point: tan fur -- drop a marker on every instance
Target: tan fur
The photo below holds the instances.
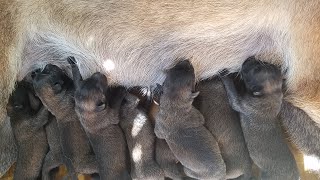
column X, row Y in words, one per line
column 143, row 37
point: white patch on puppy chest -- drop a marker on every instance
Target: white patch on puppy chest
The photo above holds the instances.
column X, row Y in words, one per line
column 138, row 123
column 108, row 65
column 137, row 153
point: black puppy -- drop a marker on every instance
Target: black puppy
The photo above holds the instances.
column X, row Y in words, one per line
column 258, row 110
column 98, row 108
column 182, row 126
column 28, row 117
column 224, row 123
column 56, row 91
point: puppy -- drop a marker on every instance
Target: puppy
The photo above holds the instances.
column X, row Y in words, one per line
column 54, row 157
column 224, row 123
column 258, row 110
column 140, row 139
column 170, row 165
column 56, row 91
column 98, row 108
column 168, row 162
column 302, row 131
column 27, row 120
column 8, row 148
column 181, row 125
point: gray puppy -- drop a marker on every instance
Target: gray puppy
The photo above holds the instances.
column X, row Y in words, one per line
column 54, row 157
column 168, row 162
column 181, row 125
column 98, row 108
column 224, row 123
column 27, row 120
column 302, row 130
column 56, row 91
column 258, row 109
column 140, row 139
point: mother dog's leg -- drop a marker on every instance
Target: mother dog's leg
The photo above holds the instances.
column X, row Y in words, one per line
column 303, row 77
column 7, row 80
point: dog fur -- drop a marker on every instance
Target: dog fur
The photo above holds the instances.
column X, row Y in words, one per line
column 56, row 92
column 132, row 42
column 182, row 126
column 28, row 118
column 259, row 108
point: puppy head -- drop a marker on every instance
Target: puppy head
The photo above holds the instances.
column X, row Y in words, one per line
column 22, row 103
column 180, row 82
column 261, row 78
column 91, row 95
column 50, row 82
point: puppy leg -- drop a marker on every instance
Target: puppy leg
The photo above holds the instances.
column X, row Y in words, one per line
column 301, row 129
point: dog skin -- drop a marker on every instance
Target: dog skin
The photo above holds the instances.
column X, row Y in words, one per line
column 98, row 108
column 165, row 158
column 132, row 42
column 224, row 124
column 181, row 125
column 258, row 110
column 140, row 139
column 27, row 120
column 56, row 91
column 54, row 157
column 302, row 131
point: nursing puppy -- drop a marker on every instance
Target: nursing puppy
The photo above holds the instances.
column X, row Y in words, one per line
column 133, row 42
column 27, row 120
column 224, row 123
column 98, row 108
column 302, row 131
column 182, row 126
column 168, row 162
column 8, row 148
column 170, row 165
column 258, row 109
column 140, row 139
column 56, row 91
column 54, row 157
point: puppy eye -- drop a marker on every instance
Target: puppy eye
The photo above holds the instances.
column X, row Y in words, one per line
column 100, row 106
column 57, row 87
column 257, row 93
column 18, row 106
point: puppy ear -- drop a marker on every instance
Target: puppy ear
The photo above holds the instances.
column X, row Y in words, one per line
column 194, row 95
column 77, row 78
column 35, row 102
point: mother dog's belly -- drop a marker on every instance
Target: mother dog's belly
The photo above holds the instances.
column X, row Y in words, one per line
column 141, row 59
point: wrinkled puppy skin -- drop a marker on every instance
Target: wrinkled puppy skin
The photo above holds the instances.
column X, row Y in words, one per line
column 181, row 125
column 140, row 138
column 28, row 117
column 302, row 131
column 224, row 123
column 56, row 91
column 54, row 157
column 98, row 108
column 258, row 109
